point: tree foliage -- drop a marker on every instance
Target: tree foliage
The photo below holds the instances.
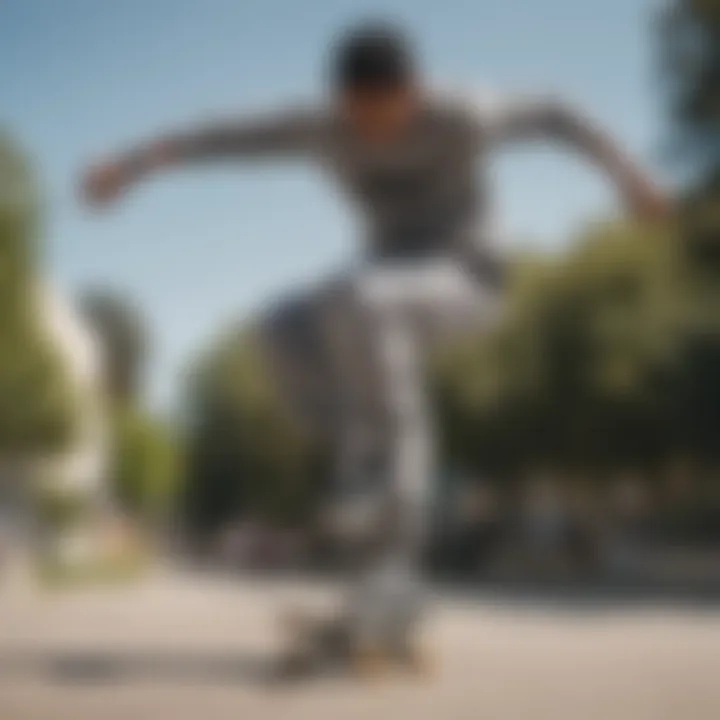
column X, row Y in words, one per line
column 690, row 50
column 146, row 468
column 246, row 457
column 691, row 71
column 124, row 338
column 602, row 361
column 35, row 407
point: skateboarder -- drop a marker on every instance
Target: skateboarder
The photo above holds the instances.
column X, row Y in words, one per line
column 414, row 164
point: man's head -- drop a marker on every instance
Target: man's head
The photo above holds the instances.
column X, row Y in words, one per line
column 374, row 77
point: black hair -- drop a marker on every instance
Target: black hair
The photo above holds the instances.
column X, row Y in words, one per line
column 373, row 56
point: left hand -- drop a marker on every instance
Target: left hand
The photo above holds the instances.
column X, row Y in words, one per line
column 646, row 201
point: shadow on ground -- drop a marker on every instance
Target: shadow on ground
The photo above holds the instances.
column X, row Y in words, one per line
column 592, row 594
column 117, row 667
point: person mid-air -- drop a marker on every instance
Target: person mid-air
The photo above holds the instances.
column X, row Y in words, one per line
column 414, row 164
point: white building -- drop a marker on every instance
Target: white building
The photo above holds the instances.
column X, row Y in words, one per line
column 82, row 467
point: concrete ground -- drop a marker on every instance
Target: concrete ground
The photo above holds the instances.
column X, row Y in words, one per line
column 182, row 646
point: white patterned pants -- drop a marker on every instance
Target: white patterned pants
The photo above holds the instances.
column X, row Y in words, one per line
column 399, row 307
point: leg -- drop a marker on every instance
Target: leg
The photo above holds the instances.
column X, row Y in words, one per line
column 389, row 599
column 361, row 428
column 385, row 604
column 377, row 341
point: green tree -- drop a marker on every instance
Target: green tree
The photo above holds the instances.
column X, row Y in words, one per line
column 245, row 455
column 121, row 328
column 146, row 463
column 146, row 468
column 582, row 373
column 35, row 406
column 690, row 46
column 691, row 51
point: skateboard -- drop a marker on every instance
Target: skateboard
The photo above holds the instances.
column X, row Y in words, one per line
column 315, row 646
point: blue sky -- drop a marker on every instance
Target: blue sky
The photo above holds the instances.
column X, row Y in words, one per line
column 79, row 78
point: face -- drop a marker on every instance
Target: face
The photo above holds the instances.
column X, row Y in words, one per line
column 379, row 115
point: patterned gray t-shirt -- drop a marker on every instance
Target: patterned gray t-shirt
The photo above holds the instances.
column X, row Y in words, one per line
column 425, row 192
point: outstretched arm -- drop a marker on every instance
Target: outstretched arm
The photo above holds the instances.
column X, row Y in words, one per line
column 288, row 134
column 549, row 119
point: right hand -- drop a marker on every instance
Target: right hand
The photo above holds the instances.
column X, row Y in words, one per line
column 645, row 200
column 104, row 182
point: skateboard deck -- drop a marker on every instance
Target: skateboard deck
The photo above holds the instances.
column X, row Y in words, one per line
column 315, row 647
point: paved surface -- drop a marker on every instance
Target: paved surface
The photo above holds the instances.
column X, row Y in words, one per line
column 182, row 647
